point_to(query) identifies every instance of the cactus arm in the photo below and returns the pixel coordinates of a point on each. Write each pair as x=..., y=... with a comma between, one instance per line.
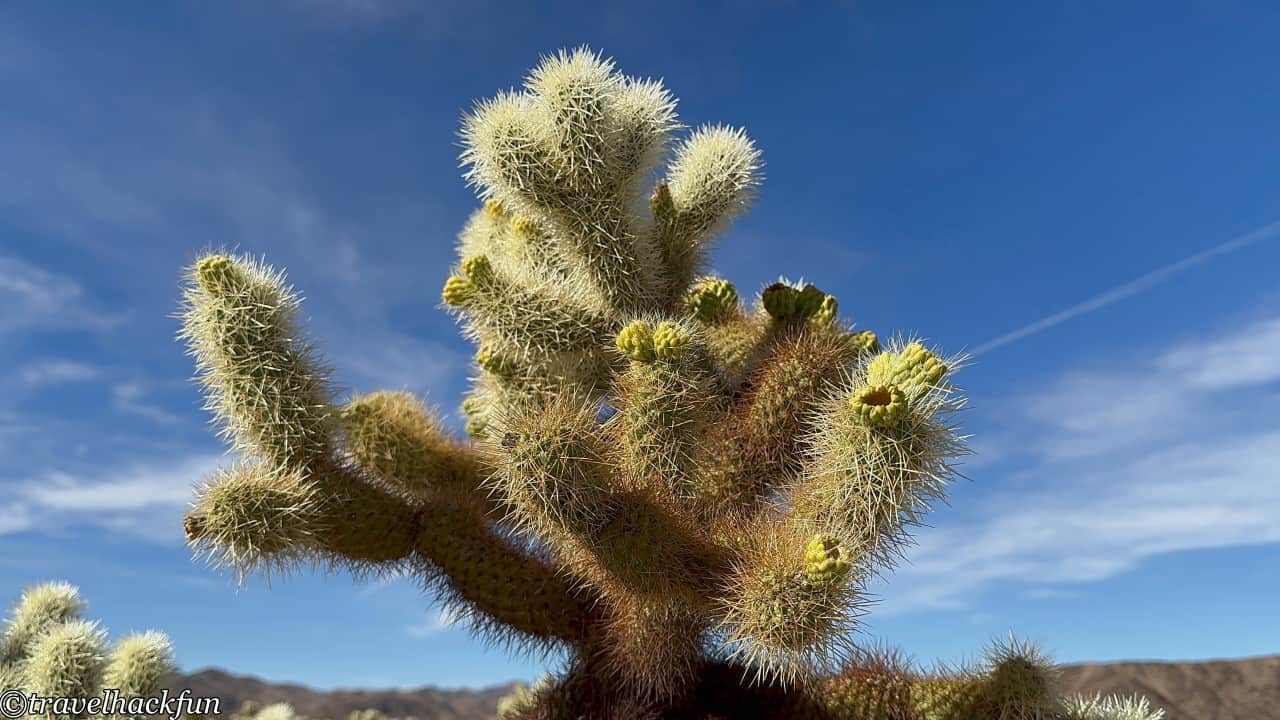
x=882, y=451
x=264, y=385
x=255, y=517
x=503, y=588
x=553, y=466
x=274, y=401
x=760, y=445
x=400, y=442
x=521, y=320
x=712, y=179
x=517, y=244
x=550, y=466
x=567, y=152
x=788, y=602
x=784, y=396
x=258, y=519
x=665, y=401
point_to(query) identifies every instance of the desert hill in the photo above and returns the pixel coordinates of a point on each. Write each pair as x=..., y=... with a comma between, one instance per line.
x=425, y=703
x=1247, y=689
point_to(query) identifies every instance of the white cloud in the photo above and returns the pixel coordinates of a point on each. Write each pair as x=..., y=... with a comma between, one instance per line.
x=57, y=372
x=441, y=620
x=1246, y=358
x=14, y=519
x=1175, y=452
x=128, y=398
x=144, y=500
x=61, y=492
x=35, y=298
x=1156, y=396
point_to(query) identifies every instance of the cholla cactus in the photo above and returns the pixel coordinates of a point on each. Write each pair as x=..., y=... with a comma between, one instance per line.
x=686, y=493
x=47, y=649
x=1097, y=707
x=524, y=700
x=250, y=710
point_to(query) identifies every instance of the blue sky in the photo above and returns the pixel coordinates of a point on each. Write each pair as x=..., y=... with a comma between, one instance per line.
x=963, y=174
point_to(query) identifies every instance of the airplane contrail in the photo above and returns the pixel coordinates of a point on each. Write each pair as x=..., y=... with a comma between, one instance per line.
x=1131, y=288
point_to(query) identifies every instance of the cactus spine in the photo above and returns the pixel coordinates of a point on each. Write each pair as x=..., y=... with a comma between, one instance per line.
x=685, y=493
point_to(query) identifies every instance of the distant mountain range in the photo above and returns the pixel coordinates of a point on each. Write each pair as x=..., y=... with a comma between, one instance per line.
x=1246, y=689
x=426, y=703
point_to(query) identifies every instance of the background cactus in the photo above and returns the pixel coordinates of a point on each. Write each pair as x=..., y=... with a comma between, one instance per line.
x=48, y=649
x=686, y=493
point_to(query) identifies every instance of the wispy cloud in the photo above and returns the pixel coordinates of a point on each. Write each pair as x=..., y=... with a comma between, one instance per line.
x=143, y=500
x=1163, y=395
x=1143, y=458
x=1251, y=357
x=13, y=519
x=441, y=620
x=1131, y=288
x=206, y=171
x=129, y=397
x=360, y=13
x=62, y=492
x=1192, y=497
x=56, y=372
x=395, y=361
x=35, y=298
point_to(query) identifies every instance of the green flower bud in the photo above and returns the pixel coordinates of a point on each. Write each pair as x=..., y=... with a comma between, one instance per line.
x=477, y=268
x=712, y=300
x=670, y=341
x=457, y=291
x=523, y=227
x=825, y=559
x=215, y=272
x=911, y=368
x=636, y=341
x=863, y=342
x=809, y=301
x=493, y=362
x=828, y=311
x=781, y=301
